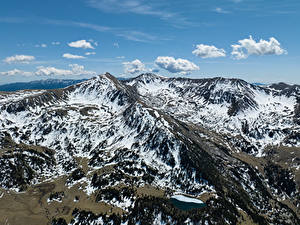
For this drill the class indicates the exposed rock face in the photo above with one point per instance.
(127, 145)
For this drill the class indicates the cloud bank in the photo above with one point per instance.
(75, 70)
(19, 59)
(16, 72)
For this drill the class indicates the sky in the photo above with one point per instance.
(255, 40)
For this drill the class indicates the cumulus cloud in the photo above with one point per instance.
(16, 72)
(19, 59)
(81, 44)
(75, 70)
(90, 53)
(135, 66)
(173, 65)
(49, 71)
(249, 46)
(71, 56)
(208, 51)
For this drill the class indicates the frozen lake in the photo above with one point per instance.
(186, 203)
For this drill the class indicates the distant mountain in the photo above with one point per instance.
(259, 84)
(109, 151)
(39, 85)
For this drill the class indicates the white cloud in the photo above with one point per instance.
(90, 53)
(75, 70)
(16, 72)
(208, 51)
(249, 46)
(120, 57)
(81, 44)
(79, 70)
(71, 56)
(55, 43)
(135, 66)
(173, 65)
(19, 59)
(49, 71)
(52, 71)
(220, 10)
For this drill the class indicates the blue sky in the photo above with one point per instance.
(256, 40)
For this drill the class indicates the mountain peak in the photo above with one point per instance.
(149, 76)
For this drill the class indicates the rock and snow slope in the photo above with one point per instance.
(262, 116)
(112, 139)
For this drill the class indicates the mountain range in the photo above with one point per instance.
(39, 84)
(110, 151)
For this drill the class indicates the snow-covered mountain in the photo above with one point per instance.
(106, 151)
(261, 116)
